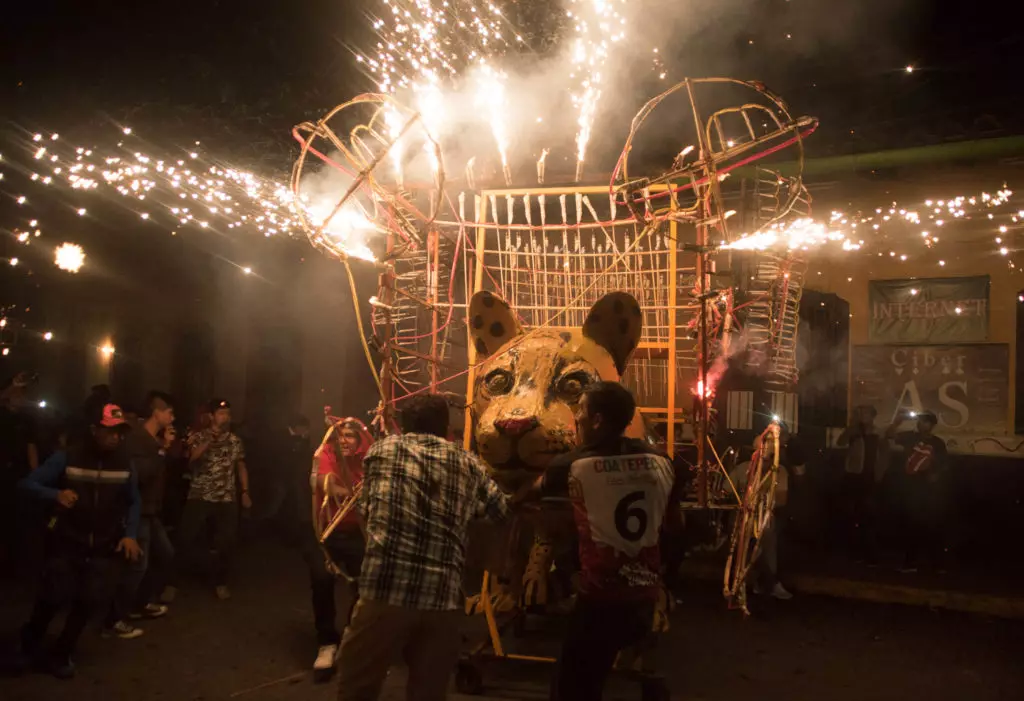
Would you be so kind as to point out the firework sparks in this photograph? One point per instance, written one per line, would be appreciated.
(394, 123)
(801, 234)
(422, 41)
(598, 25)
(347, 231)
(69, 257)
(186, 192)
(490, 96)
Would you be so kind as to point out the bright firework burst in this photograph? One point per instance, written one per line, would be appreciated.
(422, 42)
(598, 25)
(69, 257)
(800, 234)
(490, 96)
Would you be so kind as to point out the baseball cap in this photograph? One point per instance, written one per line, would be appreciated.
(112, 417)
(216, 404)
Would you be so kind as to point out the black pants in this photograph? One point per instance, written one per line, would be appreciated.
(222, 518)
(918, 519)
(345, 548)
(858, 508)
(597, 632)
(83, 582)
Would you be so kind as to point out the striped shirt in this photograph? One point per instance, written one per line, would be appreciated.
(419, 494)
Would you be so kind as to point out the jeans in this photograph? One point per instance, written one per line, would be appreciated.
(222, 516)
(597, 632)
(82, 581)
(144, 578)
(345, 548)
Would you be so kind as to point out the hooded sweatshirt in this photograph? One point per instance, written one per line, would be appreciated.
(328, 461)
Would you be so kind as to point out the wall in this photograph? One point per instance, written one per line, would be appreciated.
(848, 275)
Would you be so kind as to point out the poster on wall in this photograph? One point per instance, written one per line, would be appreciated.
(929, 310)
(967, 386)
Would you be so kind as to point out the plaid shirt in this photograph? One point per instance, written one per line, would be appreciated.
(419, 494)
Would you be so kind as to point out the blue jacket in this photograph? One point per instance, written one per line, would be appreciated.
(108, 505)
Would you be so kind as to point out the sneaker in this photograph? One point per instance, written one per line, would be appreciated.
(149, 611)
(780, 592)
(168, 594)
(61, 667)
(326, 658)
(123, 630)
(223, 593)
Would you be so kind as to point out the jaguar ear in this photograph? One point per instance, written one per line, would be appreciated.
(615, 323)
(492, 323)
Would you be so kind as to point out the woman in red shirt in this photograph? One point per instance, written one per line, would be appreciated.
(337, 472)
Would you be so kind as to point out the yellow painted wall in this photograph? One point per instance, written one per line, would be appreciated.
(847, 274)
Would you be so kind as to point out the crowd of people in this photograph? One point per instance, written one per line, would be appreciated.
(388, 518)
(896, 480)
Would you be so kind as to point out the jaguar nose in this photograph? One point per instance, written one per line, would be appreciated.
(515, 427)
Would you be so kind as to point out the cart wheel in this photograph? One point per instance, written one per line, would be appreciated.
(468, 679)
(654, 690)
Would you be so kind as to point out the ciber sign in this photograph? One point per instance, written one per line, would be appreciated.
(931, 310)
(967, 386)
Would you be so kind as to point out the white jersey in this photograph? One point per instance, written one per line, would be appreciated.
(620, 497)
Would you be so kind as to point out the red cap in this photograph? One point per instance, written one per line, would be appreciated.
(112, 416)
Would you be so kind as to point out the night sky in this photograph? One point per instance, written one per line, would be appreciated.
(246, 70)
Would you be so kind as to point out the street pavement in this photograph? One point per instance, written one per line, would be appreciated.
(259, 645)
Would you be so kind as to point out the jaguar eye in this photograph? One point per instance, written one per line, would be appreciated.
(498, 382)
(573, 384)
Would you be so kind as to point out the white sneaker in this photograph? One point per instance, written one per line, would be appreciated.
(780, 592)
(123, 630)
(326, 658)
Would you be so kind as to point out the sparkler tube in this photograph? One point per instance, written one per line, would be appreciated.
(507, 172)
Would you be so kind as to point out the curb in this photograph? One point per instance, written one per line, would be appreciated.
(880, 593)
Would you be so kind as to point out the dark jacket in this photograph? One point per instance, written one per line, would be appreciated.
(149, 466)
(108, 503)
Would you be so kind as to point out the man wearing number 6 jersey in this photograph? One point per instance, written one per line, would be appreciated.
(622, 491)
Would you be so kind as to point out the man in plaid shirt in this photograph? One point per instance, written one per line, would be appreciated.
(419, 494)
